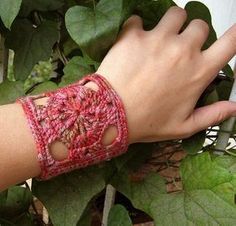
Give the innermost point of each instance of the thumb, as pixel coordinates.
(210, 115)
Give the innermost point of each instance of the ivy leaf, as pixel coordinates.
(17, 202)
(136, 155)
(31, 45)
(44, 87)
(24, 220)
(141, 193)
(67, 196)
(128, 8)
(227, 162)
(95, 30)
(228, 71)
(207, 198)
(211, 98)
(75, 70)
(119, 216)
(3, 197)
(86, 219)
(10, 91)
(195, 143)
(40, 5)
(9, 10)
(223, 89)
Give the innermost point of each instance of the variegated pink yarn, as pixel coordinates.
(77, 116)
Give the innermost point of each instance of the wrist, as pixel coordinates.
(131, 113)
(83, 120)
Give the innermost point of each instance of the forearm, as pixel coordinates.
(18, 151)
(18, 160)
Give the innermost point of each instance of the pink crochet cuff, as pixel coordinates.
(78, 117)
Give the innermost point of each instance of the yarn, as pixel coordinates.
(77, 116)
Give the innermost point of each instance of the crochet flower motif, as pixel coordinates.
(69, 119)
(77, 116)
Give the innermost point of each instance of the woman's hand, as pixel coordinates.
(160, 75)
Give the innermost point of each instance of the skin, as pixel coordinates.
(161, 70)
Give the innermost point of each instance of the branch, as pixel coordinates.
(227, 126)
(109, 202)
(4, 55)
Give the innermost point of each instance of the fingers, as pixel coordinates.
(196, 33)
(222, 51)
(134, 22)
(172, 21)
(210, 115)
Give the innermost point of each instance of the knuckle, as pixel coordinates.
(177, 10)
(132, 19)
(220, 115)
(139, 34)
(178, 50)
(200, 23)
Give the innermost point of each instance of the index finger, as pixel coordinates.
(222, 51)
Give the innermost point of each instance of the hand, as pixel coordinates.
(160, 75)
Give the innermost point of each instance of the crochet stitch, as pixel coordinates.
(78, 117)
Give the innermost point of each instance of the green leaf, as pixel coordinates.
(44, 87)
(17, 202)
(141, 193)
(40, 5)
(24, 220)
(31, 45)
(9, 10)
(195, 143)
(67, 196)
(211, 98)
(95, 30)
(3, 197)
(128, 8)
(207, 198)
(119, 216)
(227, 162)
(152, 11)
(86, 219)
(228, 71)
(224, 89)
(135, 157)
(42, 72)
(10, 91)
(75, 70)
(197, 10)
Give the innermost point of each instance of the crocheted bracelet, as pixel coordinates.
(77, 116)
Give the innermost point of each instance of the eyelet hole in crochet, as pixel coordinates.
(92, 85)
(41, 101)
(58, 150)
(109, 135)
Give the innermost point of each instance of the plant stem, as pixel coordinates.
(4, 55)
(61, 55)
(94, 5)
(228, 125)
(109, 202)
(33, 206)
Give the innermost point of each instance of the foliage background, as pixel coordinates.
(57, 42)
